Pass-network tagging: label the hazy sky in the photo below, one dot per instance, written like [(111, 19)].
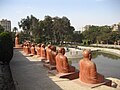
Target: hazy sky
[(80, 12)]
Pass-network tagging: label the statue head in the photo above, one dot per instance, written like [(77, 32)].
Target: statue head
[(39, 45), (87, 54), (43, 45), (61, 50), (33, 44), (53, 48), (49, 45), (17, 35)]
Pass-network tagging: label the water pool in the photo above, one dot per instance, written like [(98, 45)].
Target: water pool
[(107, 64)]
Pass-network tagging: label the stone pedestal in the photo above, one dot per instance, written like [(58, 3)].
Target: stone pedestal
[(50, 67), (70, 76), (106, 82)]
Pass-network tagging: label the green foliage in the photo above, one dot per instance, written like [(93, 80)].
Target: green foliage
[(96, 34), (15, 29), (38, 40), (53, 30), (23, 36), (86, 42), (6, 47), (77, 38), (62, 30)]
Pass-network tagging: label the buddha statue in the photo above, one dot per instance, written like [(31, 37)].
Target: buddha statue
[(43, 52), (33, 52), (88, 71), (27, 49), (24, 45), (53, 55), (17, 40), (38, 50), (48, 52), (62, 64)]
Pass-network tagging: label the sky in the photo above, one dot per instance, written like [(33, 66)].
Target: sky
[(79, 12)]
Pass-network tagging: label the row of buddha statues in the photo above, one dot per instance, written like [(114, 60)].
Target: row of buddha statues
[(88, 71)]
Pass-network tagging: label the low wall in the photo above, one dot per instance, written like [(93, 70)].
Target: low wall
[(73, 53), (106, 50)]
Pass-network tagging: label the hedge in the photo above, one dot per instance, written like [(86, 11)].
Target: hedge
[(6, 47)]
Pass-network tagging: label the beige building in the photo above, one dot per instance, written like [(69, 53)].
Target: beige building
[(86, 27), (6, 24), (77, 32), (116, 27)]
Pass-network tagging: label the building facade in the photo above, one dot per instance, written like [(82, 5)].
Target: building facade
[(6, 24), (116, 27), (87, 27), (77, 32)]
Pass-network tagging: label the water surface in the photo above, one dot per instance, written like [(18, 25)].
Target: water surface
[(107, 64)]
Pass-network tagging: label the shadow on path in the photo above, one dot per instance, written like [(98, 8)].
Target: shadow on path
[(30, 75)]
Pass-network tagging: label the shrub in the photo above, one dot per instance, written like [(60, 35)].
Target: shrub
[(6, 47)]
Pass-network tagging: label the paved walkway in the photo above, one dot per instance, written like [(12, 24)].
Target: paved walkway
[(107, 45), (29, 74)]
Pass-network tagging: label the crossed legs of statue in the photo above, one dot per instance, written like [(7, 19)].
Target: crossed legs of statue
[(71, 68), (100, 78)]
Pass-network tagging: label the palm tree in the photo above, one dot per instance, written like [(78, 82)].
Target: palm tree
[(15, 29)]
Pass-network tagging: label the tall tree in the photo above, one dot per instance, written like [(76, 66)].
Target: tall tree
[(15, 29), (49, 30), (29, 26), (62, 29), (48, 24), (33, 25), (101, 33), (25, 24)]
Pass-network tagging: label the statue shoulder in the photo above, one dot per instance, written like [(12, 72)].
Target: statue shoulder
[(92, 64), (81, 60), (63, 57)]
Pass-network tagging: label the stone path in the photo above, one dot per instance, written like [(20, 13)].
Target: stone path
[(29, 74)]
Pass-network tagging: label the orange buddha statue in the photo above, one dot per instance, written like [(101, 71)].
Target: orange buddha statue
[(33, 52), (17, 40), (43, 52), (38, 50), (88, 71), (62, 64), (48, 52), (24, 45), (53, 55), (27, 49)]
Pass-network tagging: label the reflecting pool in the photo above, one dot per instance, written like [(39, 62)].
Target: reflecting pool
[(107, 64)]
